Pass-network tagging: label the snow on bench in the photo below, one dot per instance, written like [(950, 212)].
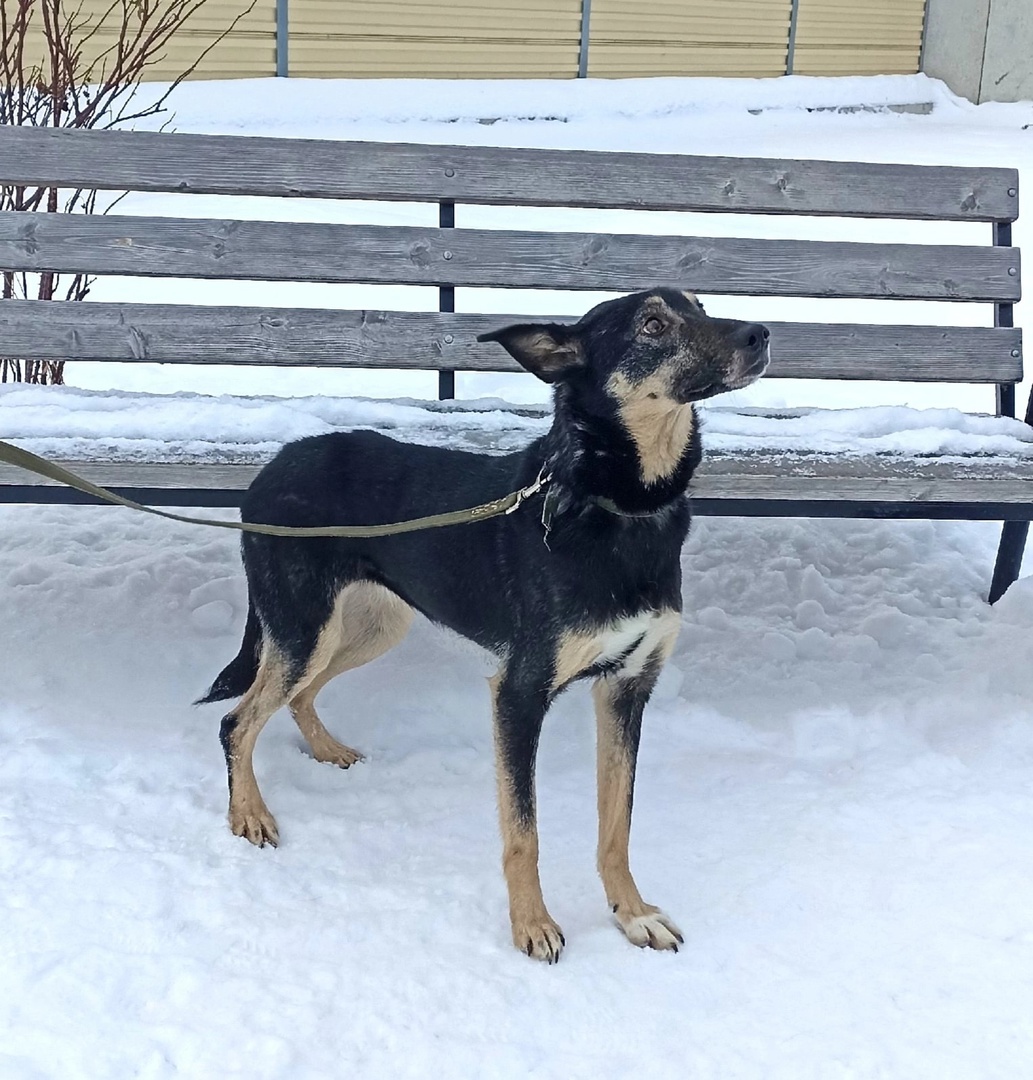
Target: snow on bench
[(211, 447)]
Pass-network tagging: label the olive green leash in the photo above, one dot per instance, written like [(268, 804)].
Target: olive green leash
[(15, 455)]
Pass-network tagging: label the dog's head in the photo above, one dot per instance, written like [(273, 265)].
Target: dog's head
[(657, 346)]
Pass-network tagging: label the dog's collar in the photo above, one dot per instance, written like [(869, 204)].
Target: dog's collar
[(553, 497), (612, 508)]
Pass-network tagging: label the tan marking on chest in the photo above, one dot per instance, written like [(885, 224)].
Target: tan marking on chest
[(580, 650), (659, 426)]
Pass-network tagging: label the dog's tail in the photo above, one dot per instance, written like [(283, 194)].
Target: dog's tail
[(238, 675)]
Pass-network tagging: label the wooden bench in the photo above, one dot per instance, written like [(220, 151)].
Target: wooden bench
[(799, 483)]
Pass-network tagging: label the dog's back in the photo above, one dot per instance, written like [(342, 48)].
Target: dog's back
[(463, 577)]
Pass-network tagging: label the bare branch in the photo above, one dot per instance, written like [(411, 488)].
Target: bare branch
[(66, 89)]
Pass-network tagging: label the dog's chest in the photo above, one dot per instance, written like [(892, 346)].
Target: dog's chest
[(621, 648)]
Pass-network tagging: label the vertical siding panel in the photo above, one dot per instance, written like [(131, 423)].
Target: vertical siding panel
[(689, 37), (453, 39), (249, 51), (878, 37)]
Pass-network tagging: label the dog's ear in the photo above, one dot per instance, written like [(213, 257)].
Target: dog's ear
[(549, 350)]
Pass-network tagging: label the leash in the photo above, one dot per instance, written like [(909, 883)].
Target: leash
[(15, 455)]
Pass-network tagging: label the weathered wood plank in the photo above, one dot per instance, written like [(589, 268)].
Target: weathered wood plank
[(995, 489), (304, 251), (886, 478), (787, 478), (233, 165), (143, 474), (190, 334)]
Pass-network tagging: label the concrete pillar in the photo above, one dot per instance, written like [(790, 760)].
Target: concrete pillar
[(982, 49), (955, 41), (1008, 59)]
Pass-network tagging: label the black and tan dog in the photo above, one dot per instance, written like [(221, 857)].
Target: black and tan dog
[(582, 581)]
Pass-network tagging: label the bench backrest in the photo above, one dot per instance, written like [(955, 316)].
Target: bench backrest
[(448, 257)]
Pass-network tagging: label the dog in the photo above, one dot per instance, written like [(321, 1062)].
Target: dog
[(582, 581)]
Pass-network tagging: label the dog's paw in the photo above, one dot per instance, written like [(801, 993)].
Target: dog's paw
[(539, 938), (334, 753), (652, 928), (256, 825)]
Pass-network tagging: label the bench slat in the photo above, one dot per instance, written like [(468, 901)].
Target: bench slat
[(302, 251), (235, 165), (761, 477), (192, 334)]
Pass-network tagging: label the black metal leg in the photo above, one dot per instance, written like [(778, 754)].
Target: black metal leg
[(1013, 535), (446, 301), (1009, 558)]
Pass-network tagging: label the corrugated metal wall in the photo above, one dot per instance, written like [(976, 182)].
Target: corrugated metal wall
[(541, 38), (871, 37), (688, 37), (479, 39), (250, 49)]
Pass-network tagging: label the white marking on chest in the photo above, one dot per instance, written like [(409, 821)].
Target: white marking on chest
[(632, 640)]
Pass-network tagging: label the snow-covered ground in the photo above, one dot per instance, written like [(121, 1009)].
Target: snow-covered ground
[(835, 794)]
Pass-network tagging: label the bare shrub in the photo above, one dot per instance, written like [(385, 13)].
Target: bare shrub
[(54, 73)]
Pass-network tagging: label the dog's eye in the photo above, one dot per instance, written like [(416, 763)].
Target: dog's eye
[(654, 327)]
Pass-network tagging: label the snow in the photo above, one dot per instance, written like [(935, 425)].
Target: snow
[(305, 108), (77, 424), (833, 804), (834, 788)]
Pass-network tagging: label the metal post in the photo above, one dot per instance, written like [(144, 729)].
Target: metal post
[(794, 15), (582, 55), (282, 40), (925, 32), (1013, 535), (446, 301), (1009, 558), (1004, 315)]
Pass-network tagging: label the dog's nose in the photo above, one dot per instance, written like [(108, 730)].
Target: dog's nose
[(751, 338)]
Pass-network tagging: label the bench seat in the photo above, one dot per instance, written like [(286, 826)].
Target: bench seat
[(869, 462)]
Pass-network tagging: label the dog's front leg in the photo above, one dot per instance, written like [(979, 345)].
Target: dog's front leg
[(519, 705), (618, 708)]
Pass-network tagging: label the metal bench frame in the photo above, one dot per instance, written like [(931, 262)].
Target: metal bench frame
[(448, 257)]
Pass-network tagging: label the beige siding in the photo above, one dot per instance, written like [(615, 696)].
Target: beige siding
[(618, 61), (248, 51), (457, 38), (688, 37), (874, 37), (537, 38)]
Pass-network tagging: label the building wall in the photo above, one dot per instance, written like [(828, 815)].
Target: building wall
[(1008, 65), (541, 38), (249, 48), (688, 37), (982, 49), (871, 37), (474, 39), (955, 38)]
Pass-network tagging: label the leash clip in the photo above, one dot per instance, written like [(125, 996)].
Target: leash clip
[(532, 489), (549, 505)]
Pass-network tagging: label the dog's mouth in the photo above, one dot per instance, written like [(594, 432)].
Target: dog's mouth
[(699, 393), (751, 371), (746, 370)]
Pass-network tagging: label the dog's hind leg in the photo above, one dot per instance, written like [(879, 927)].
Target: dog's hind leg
[(248, 815), (519, 710), (619, 702), (366, 621)]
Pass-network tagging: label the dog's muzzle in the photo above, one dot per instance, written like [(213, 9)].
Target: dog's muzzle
[(751, 342)]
